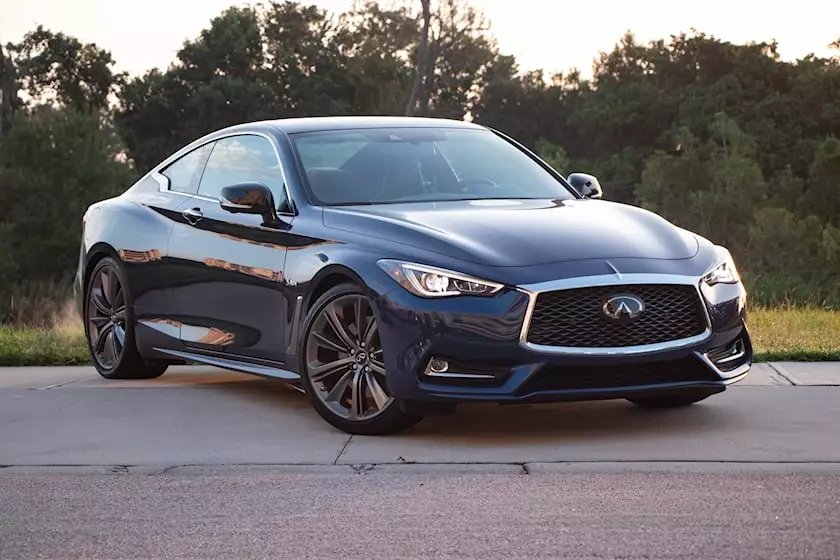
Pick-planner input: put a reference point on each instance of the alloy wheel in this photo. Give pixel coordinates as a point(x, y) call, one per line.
point(344, 359)
point(106, 317)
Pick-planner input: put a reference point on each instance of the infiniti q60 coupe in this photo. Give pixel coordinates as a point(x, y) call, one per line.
point(394, 267)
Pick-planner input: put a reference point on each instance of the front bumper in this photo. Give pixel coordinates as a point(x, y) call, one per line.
point(483, 341)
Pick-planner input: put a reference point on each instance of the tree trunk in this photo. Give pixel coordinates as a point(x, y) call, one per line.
point(5, 94)
point(8, 91)
point(429, 78)
point(422, 59)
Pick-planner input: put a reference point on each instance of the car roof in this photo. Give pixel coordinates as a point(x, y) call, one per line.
point(320, 124)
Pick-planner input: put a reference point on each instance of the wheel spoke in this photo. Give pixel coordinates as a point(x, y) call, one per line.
point(357, 407)
point(119, 298)
point(119, 314)
point(99, 322)
point(99, 302)
point(113, 286)
point(329, 343)
point(320, 372)
point(336, 323)
point(377, 367)
point(339, 388)
point(376, 391)
point(370, 331)
point(115, 344)
point(101, 335)
point(359, 318)
point(119, 333)
point(109, 354)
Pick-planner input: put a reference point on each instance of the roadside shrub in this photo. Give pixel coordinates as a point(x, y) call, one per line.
point(53, 164)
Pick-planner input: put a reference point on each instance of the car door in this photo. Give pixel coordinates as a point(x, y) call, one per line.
point(231, 295)
point(144, 246)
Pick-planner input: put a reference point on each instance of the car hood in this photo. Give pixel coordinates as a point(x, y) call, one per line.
point(520, 232)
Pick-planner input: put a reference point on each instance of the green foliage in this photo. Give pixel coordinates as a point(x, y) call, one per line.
point(60, 69)
point(717, 190)
point(291, 60)
point(41, 347)
point(727, 140)
point(555, 156)
point(795, 334)
point(53, 164)
point(823, 195)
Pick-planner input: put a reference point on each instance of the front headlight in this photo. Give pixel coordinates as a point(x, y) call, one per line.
point(724, 271)
point(427, 281)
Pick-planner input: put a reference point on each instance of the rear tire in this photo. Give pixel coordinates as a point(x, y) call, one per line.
point(342, 368)
point(109, 325)
point(674, 400)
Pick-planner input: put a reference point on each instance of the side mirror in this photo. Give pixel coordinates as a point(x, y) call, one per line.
point(249, 198)
point(587, 185)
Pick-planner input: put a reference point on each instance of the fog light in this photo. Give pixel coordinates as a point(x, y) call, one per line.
point(438, 366)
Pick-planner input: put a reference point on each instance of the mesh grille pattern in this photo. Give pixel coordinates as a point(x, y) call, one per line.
point(559, 378)
point(575, 317)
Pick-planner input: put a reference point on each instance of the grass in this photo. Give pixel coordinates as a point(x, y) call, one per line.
point(62, 344)
point(779, 334)
point(41, 347)
point(795, 334)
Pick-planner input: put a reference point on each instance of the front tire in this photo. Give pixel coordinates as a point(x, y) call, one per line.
point(342, 366)
point(109, 325)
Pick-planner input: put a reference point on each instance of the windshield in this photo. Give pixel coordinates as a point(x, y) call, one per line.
point(392, 165)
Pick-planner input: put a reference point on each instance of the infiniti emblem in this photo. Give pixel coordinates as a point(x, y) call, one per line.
point(623, 306)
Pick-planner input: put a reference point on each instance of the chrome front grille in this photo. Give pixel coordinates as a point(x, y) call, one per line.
point(574, 318)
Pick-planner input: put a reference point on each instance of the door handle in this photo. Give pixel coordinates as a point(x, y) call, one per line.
point(192, 215)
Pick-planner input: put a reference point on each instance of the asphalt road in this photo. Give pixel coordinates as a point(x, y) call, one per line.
point(444, 515)
point(208, 464)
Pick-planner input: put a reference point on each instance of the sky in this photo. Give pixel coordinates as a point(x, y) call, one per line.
point(555, 35)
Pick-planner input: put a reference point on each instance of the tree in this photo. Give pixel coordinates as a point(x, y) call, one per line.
point(217, 80)
point(58, 69)
point(707, 186)
point(689, 125)
point(421, 60)
point(53, 164)
point(9, 101)
point(283, 60)
point(374, 45)
point(555, 156)
point(822, 197)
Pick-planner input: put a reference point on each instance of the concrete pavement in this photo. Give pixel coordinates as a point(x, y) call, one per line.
point(782, 413)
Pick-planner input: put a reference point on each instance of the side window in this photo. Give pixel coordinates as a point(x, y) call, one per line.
point(242, 159)
point(183, 173)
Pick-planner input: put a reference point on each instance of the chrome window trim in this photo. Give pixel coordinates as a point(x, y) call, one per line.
point(164, 182)
point(533, 290)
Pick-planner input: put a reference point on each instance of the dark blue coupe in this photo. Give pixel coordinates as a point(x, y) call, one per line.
point(394, 267)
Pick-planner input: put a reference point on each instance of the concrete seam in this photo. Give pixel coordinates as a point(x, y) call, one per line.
point(780, 373)
point(57, 385)
point(343, 449)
